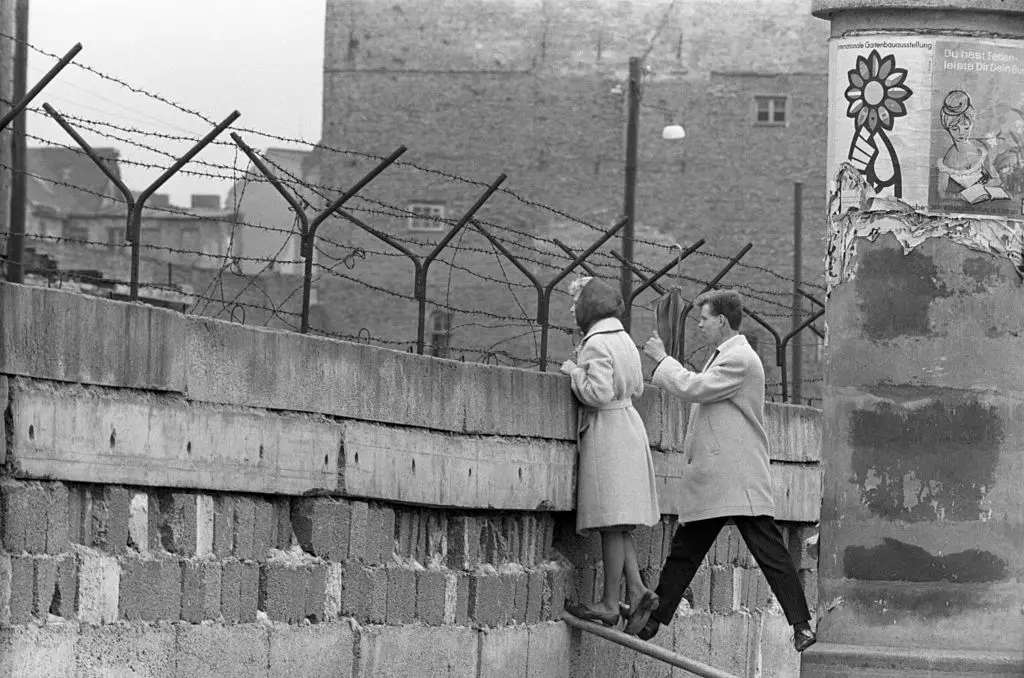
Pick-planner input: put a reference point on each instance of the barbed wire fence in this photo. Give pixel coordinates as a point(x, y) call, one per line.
point(218, 279)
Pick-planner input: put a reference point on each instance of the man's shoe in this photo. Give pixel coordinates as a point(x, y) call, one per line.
point(649, 630)
point(803, 639)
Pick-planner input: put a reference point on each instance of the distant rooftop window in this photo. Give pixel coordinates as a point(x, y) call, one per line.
point(771, 110)
point(426, 216)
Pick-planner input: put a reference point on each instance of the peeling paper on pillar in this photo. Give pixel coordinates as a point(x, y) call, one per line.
point(926, 139)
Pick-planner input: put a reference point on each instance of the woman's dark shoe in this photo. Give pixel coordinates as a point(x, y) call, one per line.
point(583, 612)
point(641, 612)
point(649, 630)
point(803, 638)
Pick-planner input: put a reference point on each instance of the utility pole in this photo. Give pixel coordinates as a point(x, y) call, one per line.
point(798, 219)
point(629, 209)
point(16, 239)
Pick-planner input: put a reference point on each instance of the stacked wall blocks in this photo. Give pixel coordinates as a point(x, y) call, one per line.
point(186, 496)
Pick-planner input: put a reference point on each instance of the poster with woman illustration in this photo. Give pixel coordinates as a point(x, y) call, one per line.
point(977, 146)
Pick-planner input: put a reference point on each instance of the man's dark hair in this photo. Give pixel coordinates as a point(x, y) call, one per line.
point(723, 302)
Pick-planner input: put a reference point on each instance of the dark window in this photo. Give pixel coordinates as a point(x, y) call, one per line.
point(770, 110)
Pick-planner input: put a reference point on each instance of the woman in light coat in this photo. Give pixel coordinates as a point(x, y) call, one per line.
point(616, 489)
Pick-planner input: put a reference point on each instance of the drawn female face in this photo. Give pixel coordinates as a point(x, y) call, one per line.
point(960, 128)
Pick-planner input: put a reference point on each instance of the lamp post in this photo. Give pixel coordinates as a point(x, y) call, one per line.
point(671, 132)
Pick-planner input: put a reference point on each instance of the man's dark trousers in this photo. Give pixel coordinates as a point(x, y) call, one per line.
point(692, 542)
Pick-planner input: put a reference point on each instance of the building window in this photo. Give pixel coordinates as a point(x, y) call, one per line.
point(440, 333)
point(425, 215)
point(770, 110)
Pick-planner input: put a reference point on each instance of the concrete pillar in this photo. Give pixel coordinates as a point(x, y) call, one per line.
point(921, 560)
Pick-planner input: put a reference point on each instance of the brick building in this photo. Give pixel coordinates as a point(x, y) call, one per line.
point(536, 89)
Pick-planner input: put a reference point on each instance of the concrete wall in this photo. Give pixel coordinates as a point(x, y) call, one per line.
point(181, 492)
point(6, 94)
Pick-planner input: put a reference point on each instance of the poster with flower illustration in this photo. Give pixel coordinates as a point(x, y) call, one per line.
point(977, 145)
point(879, 114)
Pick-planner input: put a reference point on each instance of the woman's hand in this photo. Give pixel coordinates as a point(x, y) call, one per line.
point(567, 367)
point(655, 348)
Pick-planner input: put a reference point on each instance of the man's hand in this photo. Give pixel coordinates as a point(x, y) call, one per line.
point(655, 348)
point(567, 367)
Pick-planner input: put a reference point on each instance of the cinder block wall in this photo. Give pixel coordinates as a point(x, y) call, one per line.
point(186, 496)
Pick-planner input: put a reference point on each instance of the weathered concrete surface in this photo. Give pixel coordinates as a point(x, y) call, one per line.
point(63, 336)
point(421, 651)
point(840, 661)
point(923, 516)
point(38, 652)
point(316, 651)
point(126, 649)
point(230, 651)
point(93, 435)
point(422, 467)
point(232, 364)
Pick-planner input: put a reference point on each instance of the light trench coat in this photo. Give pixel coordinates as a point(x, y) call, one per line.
point(615, 481)
point(727, 468)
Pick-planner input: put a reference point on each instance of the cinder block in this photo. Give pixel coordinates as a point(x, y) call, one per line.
point(57, 528)
point(535, 580)
point(580, 549)
point(334, 591)
point(23, 509)
point(735, 640)
point(719, 553)
point(79, 508)
point(99, 586)
point(692, 634)
point(550, 650)
point(138, 522)
point(245, 527)
point(545, 536)
point(421, 543)
point(588, 583)
point(204, 525)
point(248, 592)
point(65, 593)
point(282, 592)
point(137, 650)
point(401, 600)
point(109, 517)
point(176, 521)
point(504, 652)
point(512, 540)
point(322, 526)
point(407, 528)
point(520, 596)
point(359, 526)
point(415, 650)
point(284, 537)
point(230, 588)
point(200, 590)
point(230, 651)
point(431, 590)
point(462, 598)
point(223, 525)
point(44, 585)
point(487, 599)
point(150, 589)
point(365, 594)
point(700, 586)
point(263, 529)
point(642, 538)
point(5, 584)
point(528, 540)
point(756, 594)
point(21, 600)
point(316, 592)
point(491, 539)
point(380, 539)
point(315, 651)
point(556, 586)
point(726, 586)
point(436, 534)
point(463, 542)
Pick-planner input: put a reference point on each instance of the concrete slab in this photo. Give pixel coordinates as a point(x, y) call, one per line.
point(829, 660)
point(240, 651)
point(549, 650)
point(99, 583)
point(105, 651)
point(232, 364)
point(794, 432)
point(417, 652)
point(64, 336)
point(797, 487)
point(423, 467)
point(38, 651)
point(314, 651)
point(99, 436)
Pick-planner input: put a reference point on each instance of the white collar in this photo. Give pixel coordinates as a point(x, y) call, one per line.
point(731, 342)
point(604, 325)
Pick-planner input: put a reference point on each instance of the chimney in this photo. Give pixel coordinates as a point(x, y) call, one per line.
point(205, 201)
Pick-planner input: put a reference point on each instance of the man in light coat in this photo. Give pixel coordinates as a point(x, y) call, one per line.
point(727, 474)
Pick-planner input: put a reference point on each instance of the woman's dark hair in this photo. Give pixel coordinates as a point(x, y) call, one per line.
point(723, 302)
point(598, 300)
